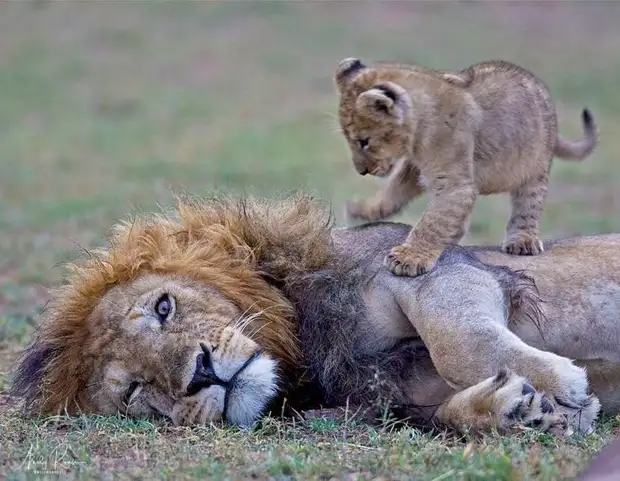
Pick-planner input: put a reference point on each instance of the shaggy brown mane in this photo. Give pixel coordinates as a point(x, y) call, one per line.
point(243, 248)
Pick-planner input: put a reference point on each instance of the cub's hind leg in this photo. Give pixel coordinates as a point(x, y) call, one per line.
point(523, 229)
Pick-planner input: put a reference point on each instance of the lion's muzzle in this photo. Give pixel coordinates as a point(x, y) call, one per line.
point(204, 376)
point(238, 397)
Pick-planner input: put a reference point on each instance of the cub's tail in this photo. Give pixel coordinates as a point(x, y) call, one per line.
point(579, 149)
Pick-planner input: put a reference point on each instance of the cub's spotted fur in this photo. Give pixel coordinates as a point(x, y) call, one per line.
point(488, 129)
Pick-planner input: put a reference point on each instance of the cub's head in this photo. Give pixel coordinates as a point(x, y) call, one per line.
point(172, 319)
point(375, 116)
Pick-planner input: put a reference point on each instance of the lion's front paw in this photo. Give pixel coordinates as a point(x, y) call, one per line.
point(523, 244)
point(567, 385)
point(517, 404)
point(404, 260)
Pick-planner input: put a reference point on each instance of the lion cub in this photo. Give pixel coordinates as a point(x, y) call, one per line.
point(488, 129)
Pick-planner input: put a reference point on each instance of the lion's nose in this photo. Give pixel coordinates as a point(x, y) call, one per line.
point(204, 375)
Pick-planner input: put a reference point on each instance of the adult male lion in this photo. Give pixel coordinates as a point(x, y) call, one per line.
point(212, 313)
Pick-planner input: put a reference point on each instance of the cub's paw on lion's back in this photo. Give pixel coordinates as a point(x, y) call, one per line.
point(523, 245)
point(405, 260)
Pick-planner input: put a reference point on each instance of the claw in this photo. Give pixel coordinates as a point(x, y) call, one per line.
point(527, 389)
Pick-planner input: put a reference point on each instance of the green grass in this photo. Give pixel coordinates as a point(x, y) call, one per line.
point(299, 449)
point(108, 107)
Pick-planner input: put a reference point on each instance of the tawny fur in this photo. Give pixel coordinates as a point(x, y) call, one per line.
point(488, 129)
point(483, 342)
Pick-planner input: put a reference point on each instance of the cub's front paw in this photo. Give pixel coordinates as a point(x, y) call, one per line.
point(523, 244)
point(404, 260)
point(358, 210)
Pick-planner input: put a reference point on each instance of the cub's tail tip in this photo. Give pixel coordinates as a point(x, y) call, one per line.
point(588, 119)
point(579, 149)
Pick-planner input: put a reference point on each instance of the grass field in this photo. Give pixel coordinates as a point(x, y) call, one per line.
point(107, 108)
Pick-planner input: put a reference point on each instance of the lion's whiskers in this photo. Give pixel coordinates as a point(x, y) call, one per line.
point(247, 320)
point(243, 324)
point(256, 331)
point(241, 317)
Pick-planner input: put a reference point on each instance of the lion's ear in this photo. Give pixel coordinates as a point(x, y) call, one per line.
point(347, 70)
point(386, 98)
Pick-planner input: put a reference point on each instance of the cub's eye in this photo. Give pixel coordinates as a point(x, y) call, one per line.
point(131, 390)
point(363, 142)
point(163, 308)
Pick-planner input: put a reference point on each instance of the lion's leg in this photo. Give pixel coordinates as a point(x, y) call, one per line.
point(401, 187)
point(461, 313)
point(503, 403)
point(523, 229)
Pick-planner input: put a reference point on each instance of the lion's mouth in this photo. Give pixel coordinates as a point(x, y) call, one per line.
point(244, 394)
point(233, 381)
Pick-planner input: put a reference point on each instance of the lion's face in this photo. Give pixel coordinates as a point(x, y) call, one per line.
point(179, 350)
point(375, 118)
point(178, 316)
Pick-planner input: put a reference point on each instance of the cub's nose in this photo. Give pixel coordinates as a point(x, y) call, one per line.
point(362, 170)
point(204, 375)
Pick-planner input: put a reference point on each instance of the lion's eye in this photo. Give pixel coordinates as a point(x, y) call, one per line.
point(363, 142)
point(163, 307)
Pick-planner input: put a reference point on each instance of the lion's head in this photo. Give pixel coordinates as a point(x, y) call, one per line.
point(375, 115)
point(179, 316)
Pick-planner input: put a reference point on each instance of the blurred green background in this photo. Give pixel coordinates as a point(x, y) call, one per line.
point(108, 107)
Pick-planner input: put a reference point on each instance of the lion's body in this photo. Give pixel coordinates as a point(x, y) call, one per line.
point(577, 294)
point(488, 129)
point(268, 297)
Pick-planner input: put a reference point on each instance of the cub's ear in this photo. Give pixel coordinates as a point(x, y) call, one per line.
point(347, 70)
point(387, 98)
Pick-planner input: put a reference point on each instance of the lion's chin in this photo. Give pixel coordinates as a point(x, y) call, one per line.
point(253, 390)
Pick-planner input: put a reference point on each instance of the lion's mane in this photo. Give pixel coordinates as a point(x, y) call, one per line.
point(245, 248)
